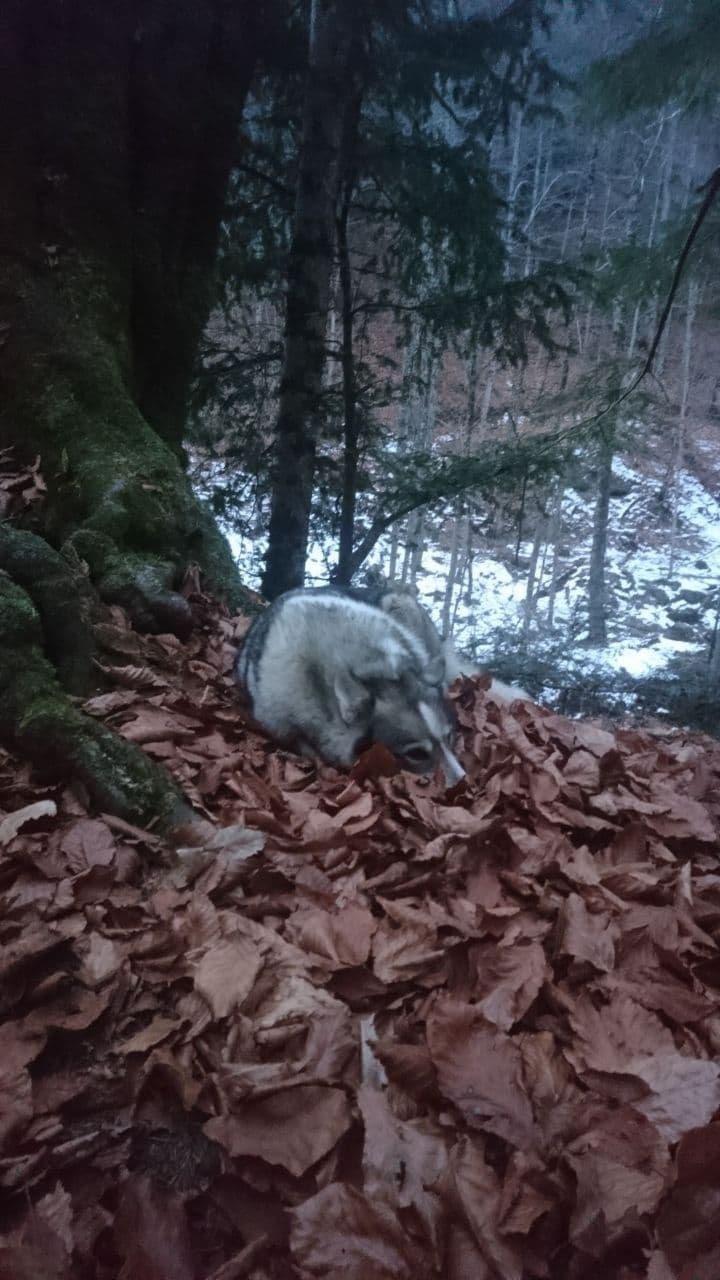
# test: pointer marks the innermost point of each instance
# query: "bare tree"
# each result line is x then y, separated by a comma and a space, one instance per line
597, 604
679, 451
555, 538
533, 580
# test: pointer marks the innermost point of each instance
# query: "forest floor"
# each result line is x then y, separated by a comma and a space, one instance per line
371, 1028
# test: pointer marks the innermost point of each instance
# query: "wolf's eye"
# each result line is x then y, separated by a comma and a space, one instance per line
418, 753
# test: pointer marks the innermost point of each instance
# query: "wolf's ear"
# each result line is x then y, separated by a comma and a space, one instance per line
381, 663
434, 670
353, 697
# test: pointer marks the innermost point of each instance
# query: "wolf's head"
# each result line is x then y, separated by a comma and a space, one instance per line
400, 702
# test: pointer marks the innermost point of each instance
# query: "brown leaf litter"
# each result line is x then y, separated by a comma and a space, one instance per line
360, 1026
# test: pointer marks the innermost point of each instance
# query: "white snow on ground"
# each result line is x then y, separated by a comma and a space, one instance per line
642, 595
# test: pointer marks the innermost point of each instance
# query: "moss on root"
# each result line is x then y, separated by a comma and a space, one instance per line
64, 598
40, 721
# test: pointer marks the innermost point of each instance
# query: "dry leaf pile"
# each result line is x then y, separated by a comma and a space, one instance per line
20, 487
372, 1029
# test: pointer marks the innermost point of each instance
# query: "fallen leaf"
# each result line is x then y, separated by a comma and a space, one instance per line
476, 1191
13, 822
480, 1070
151, 1232
226, 973
100, 960
293, 1127
339, 1232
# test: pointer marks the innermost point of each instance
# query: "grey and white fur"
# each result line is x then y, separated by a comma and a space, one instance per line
401, 603
330, 673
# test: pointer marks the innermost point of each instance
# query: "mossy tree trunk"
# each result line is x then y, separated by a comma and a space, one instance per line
122, 125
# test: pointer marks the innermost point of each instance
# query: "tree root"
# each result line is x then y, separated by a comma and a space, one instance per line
64, 598
141, 583
38, 719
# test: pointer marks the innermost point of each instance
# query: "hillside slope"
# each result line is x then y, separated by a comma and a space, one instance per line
372, 1028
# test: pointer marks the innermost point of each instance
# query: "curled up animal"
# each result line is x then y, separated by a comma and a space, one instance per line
329, 675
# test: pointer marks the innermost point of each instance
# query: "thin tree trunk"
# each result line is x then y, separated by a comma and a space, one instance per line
713, 673
351, 439
566, 232
555, 537
512, 189
418, 547
521, 519
422, 433
597, 603
351, 451
583, 344
452, 568
633, 331
408, 550
669, 167
394, 548
533, 202
308, 295
472, 381
470, 556
682, 420
664, 346
533, 582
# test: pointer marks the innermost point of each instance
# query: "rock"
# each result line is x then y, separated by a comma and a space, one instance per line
682, 631
620, 488
646, 630
686, 614
692, 596
701, 564
656, 593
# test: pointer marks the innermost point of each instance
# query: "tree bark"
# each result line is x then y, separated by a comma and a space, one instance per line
351, 429
679, 451
555, 536
713, 671
452, 568
308, 296
597, 603
533, 581
113, 174
472, 384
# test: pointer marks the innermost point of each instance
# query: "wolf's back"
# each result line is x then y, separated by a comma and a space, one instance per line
307, 646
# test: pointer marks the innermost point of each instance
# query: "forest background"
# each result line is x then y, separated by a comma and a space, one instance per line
511, 196
376, 279
426, 285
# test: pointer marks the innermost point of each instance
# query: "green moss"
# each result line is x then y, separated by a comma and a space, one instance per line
127, 571
116, 489
124, 780
19, 619
37, 718
92, 547
61, 592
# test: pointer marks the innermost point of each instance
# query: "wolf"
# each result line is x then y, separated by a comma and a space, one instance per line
330, 674
400, 602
